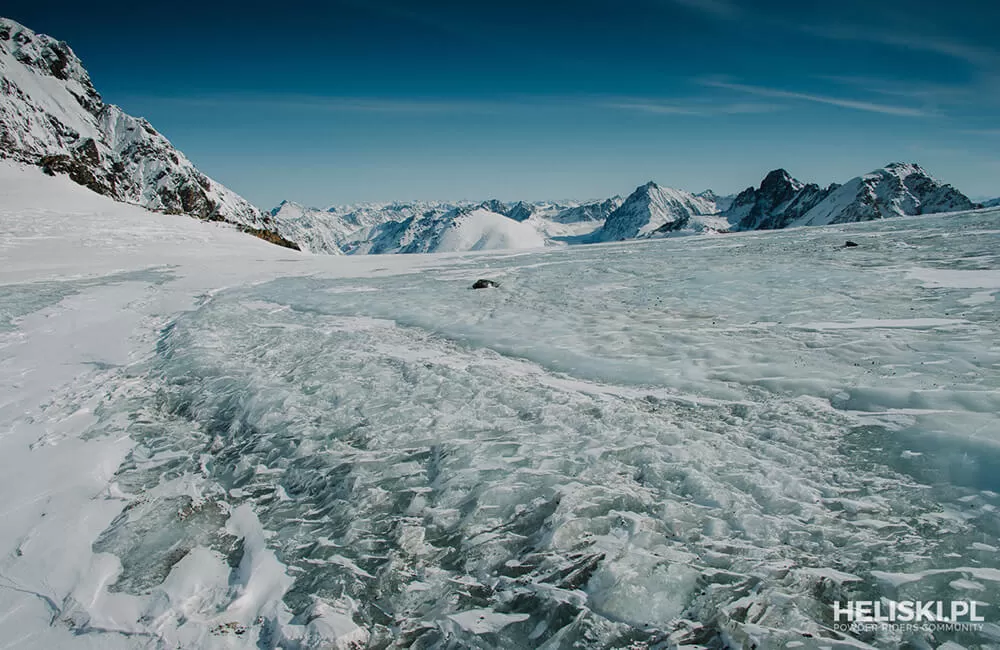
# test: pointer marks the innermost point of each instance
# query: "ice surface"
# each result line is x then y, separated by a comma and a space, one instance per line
698, 441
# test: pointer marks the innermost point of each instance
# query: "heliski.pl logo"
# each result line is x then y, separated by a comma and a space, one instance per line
909, 615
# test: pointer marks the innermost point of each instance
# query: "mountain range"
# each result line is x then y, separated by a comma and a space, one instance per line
52, 116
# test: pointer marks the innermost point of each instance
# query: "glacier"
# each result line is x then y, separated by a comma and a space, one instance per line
211, 442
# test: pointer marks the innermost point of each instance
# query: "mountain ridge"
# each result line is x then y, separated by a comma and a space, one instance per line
53, 117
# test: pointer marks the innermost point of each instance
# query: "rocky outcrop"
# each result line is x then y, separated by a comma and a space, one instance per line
778, 201
52, 116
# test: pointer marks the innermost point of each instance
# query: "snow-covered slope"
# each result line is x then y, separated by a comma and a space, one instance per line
778, 201
52, 116
895, 190
721, 202
652, 209
460, 229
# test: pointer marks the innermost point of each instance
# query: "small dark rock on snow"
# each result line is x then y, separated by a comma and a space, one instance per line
850, 244
485, 284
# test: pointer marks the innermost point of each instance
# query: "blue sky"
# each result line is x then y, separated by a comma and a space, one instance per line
356, 100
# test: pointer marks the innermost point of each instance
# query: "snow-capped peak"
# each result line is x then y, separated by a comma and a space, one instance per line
894, 190
902, 169
652, 208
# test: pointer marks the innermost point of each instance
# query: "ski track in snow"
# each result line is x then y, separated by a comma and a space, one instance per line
211, 442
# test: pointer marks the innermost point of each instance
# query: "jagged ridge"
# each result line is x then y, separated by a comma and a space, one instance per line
52, 116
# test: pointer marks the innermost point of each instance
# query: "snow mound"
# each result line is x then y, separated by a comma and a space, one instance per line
481, 230
462, 229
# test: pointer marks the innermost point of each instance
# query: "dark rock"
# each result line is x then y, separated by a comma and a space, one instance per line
87, 152
780, 200
849, 244
485, 284
268, 236
493, 205
521, 211
77, 171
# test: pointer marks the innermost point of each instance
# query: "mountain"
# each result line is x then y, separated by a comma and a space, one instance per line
652, 210
461, 229
354, 228
722, 203
328, 231
991, 203
778, 201
52, 116
520, 211
598, 210
898, 189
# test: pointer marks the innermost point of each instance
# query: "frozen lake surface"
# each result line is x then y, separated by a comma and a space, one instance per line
704, 441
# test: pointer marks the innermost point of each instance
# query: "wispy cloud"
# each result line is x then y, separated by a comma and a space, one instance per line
979, 56
338, 104
872, 107
915, 90
700, 108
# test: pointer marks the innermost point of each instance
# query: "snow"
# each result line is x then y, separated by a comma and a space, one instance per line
483, 230
460, 229
895, 190
47, 112
865, 323
397, 227
207, 441
483, 621
653, 209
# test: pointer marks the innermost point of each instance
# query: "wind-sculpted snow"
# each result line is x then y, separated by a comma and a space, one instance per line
704, 441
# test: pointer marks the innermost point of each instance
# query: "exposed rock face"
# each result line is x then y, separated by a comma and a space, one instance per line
520, 211
52, 116
778, 201
495, 206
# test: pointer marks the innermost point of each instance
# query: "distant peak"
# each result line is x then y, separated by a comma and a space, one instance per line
777, 175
